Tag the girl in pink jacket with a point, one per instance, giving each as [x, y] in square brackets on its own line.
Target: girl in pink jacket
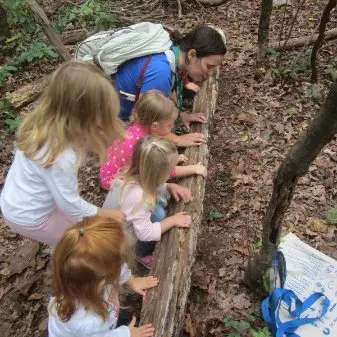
[155, 115]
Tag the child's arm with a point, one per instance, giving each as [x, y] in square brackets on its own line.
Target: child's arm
[181, 219]
[139, 214]
[188, 170]
[139, 284]
[62, 182]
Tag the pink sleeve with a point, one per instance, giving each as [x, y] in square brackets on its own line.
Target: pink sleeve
[139, 215]
[119, 155]
[173, 173]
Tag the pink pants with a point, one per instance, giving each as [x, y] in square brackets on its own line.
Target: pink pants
[49, 232]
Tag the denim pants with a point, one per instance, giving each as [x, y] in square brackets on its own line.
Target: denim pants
[144, 248]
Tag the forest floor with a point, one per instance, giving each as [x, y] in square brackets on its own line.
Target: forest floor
[259, 116]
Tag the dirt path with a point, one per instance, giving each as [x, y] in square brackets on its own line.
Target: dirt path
[258, 118]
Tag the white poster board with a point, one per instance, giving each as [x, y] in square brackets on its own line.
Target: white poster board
[309, 271]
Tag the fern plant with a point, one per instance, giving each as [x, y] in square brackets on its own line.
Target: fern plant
[36, 51]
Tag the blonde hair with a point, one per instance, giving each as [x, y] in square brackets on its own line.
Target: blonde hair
[151, 164]
[152, 107]
[89, 255]
[78, 109]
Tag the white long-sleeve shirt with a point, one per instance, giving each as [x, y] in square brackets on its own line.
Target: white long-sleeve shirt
[31, 192]
[136, 212]
[86, 323]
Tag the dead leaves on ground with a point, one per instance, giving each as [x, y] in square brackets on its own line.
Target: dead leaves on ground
[23, 292]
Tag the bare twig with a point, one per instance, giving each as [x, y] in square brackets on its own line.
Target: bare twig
[282, 23]
[180, 10]
[293, 21]
[321, 31]
[278, 60]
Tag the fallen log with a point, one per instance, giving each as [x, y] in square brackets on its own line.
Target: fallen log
[26, 94]
[164, 305]
[74, 36]
[303, 41]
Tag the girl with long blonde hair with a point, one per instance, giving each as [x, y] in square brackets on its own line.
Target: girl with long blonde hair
[142, 194]
[155, 115]
[89, 264]
[77, 115]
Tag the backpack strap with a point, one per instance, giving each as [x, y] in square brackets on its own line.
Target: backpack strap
[141, 77]
[272, 304]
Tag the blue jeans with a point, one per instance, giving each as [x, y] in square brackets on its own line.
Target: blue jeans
[144, 248]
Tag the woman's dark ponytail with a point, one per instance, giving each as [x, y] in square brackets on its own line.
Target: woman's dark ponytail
[205, 40]
[176, 37]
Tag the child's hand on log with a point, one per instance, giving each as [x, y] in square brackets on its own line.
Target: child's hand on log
[191, 139]
[200, 170]
[180, 193]
[146, 330]
[182, 159]
[139, 284]
[187, 118]
[181, 219]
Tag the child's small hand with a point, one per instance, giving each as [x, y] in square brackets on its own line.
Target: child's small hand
[192, 86]
[187, 118]
[182, 159]
[180, 193]
[182, 219]
[191, 139]
[200, 170]
[139, 284]
[146, 330]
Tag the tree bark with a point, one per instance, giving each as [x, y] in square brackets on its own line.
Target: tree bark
[263, 33]
[321, 30]
[4, 27]
[164, 305]
[302, 41]
[52, 35]
[319, 133]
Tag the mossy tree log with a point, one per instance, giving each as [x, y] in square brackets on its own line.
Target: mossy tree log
[164, 305]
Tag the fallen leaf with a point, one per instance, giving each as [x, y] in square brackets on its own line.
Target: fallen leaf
[241, 301]
[189, 326]
[35, 296]
[25, 281]
[24, 257]
[318, 225]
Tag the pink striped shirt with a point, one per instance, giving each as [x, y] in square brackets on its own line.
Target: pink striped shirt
[119, 154]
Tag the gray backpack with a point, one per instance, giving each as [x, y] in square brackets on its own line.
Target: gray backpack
[109, 49]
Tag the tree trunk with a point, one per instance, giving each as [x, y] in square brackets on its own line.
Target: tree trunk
[164, 305]
[321, 30]
[263, 33]
[319, 133]
[4, 27]
[52, 36]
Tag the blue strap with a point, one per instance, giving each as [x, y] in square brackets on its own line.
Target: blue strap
[271, 305]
